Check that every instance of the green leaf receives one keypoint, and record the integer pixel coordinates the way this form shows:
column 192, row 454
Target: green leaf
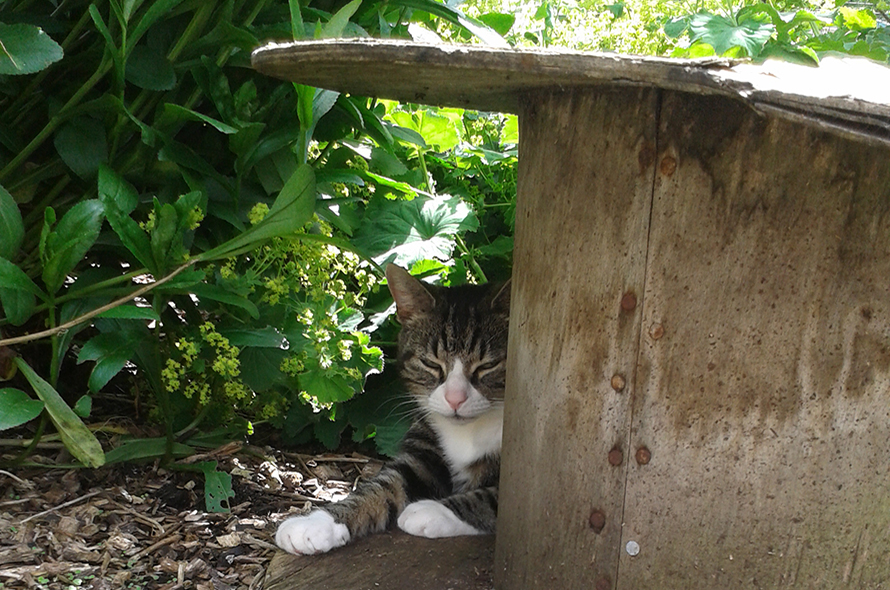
column 260, row 367
column 675, row 27
column 82, row 145
column 119, row 198
column 328, row 432
column 17, row 408
column 438, row 128
column 17, row 305
column 267, row 337
column 83, row 406
column 217, row 487
column 69, row 242
column 14, row 279
column 221, row 294
column 179, row 113
column 510, row 132
column 149, row 68
column 326, row 389
column 292, row 208
column 145, row 448
column 12, row 230
column 858, row 19
column 455, row 16
column 337, row 24
column 111, row 351
column 76, row 437
column 405, row 232
column 155, row 11
column 130, row 312
column 500, row 22
column 26, row 49
column 723, row 33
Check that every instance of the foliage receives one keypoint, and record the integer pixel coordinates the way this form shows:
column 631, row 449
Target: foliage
column 208, row 240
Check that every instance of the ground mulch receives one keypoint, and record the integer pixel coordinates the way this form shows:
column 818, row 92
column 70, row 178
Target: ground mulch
column 143, row 527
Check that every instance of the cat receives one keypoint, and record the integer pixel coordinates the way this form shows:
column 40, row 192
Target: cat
column 443, row 483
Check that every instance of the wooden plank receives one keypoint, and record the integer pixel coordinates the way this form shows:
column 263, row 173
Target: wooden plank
column 849, row 96
column 763, row 388
column 389, row 560
column 585, row 186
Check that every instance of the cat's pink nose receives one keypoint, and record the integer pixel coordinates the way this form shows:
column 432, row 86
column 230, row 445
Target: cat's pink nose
column 455, row 397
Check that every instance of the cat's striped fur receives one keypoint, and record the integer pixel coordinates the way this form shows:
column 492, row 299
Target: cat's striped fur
column 452, row 349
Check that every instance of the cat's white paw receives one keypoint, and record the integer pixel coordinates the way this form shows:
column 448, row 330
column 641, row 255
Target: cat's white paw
column 316, row 532
column 428, row 518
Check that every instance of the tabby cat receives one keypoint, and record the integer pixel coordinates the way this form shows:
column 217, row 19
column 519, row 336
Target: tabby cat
column 443, row 483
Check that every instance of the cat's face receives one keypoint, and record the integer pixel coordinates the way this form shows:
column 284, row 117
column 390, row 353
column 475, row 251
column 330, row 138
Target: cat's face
column 453, row 344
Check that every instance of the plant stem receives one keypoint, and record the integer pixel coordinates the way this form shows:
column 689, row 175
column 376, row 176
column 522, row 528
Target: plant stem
column 90, row 315
column 474, row 266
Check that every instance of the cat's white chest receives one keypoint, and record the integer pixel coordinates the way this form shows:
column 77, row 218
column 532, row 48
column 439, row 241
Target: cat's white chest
column 463, row 443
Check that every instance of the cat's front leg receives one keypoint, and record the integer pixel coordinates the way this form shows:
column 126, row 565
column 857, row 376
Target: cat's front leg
column 316, row 532
column 431, row 519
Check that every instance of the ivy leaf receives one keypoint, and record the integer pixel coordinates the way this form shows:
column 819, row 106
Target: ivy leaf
column 405, row 232
column 17, row 408
column 76, row 437
column 725, row 33
column 26, row 49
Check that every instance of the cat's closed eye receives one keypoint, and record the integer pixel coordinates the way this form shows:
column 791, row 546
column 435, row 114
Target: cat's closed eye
column 433, row 367
column 482, row 369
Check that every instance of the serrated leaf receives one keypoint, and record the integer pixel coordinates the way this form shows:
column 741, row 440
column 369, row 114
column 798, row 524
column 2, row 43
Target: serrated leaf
column 26, row 49
column 76, row 437
column 326, row 389
column 12, row 230
column 68, row 243
column 858, row 19
column 82, row 145
column 723, row 33
column 149, row 68
column 405, row 232
column 17, row 408
column 437, row 129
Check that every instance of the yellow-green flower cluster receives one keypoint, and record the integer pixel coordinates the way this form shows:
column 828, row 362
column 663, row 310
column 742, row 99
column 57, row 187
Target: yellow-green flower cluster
column 257, row 213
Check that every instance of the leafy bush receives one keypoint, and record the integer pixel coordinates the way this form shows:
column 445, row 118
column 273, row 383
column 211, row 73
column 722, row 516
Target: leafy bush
column 208, row 241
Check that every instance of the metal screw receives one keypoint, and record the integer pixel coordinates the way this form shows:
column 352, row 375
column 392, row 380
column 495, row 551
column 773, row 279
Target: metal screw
column 643, row 456
column 632, row 548
column 603, row 583
column 616, row 457
column 597, row 521
column 656, row 331
column 618, row 382
column 629, row 301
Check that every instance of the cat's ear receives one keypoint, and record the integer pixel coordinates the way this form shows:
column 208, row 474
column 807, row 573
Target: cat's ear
column 501, row 300
column 411, row 297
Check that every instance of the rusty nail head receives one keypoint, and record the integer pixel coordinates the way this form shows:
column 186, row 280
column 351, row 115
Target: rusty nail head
column 643, row 456
column 668, row 165
column 603, row 583
column 618, row 382
column 629, row 301
column 656, row 331
column 597, row 521
column 616, row 457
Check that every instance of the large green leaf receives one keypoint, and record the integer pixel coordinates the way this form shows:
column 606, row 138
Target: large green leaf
column 725, row 33
column 67, row 244
column 76, row 437
column 149, row 68
column 17, row 293
column 12, row 230
column 17, row 407
column 290, row 211
column 438, row 128
column 404, row 232
column 25, row 49
column 326, row 389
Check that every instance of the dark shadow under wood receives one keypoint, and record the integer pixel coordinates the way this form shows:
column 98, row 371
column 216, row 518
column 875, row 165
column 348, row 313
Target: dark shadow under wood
column 389, row 560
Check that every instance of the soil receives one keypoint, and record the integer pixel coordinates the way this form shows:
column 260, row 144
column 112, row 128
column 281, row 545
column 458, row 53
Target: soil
column 143, row 527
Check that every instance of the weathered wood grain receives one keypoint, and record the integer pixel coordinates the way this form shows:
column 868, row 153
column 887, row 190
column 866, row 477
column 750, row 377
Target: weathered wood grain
column 847, row 96
column 763, row 390
column 389, row 560
column 585, row 181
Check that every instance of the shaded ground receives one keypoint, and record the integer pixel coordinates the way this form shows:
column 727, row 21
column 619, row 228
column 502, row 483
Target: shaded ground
column 141, row 527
